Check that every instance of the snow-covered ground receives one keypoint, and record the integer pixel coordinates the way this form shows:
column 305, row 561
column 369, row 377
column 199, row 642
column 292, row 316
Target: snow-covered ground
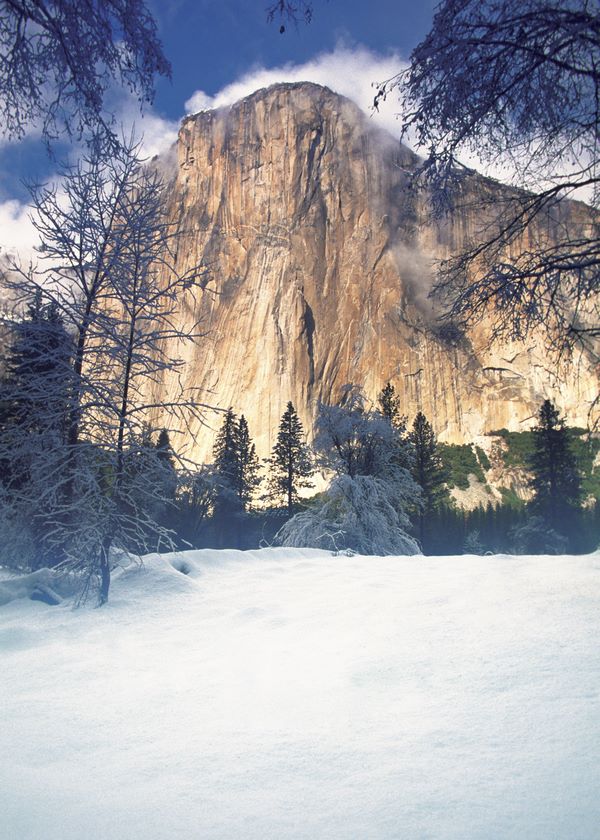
column 292, row 694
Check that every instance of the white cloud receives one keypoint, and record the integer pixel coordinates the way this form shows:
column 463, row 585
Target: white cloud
column 17, row 234
column 354, row 72
column 156, row 133
column 351, row 71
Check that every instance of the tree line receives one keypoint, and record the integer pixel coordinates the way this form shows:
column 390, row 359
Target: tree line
column 78, row 476
column 388, row 487
column 83, row 475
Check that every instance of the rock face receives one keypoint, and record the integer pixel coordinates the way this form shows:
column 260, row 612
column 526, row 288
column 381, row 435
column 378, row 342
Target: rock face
column 320, row 265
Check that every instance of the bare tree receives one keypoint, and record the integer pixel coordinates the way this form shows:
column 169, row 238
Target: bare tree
column 516, row 83
column 108, row 267
column 59, row 59
column 290, row 10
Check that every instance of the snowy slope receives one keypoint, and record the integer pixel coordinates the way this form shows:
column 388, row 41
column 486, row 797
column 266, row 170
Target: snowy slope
column 292, row 694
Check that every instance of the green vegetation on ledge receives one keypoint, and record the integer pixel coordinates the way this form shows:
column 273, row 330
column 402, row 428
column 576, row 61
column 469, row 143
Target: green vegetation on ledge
column 460, row 461
column 520, row 446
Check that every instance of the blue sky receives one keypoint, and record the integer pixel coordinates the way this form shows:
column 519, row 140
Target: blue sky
column 211, row 43
column 221, row 50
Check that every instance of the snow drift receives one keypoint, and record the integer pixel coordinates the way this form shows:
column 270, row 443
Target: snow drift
column 294, row 694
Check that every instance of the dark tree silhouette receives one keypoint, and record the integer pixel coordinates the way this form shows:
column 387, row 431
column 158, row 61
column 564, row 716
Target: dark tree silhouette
column 225, row 458
column 247, row 477
column 34, row 400
column 555, row 479
column 516, row 82
column 236, row 465
column 428, row 471
column 389, row 406
column 290, row 464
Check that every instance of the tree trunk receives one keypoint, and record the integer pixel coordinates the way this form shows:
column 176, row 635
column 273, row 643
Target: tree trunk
column 104, row 571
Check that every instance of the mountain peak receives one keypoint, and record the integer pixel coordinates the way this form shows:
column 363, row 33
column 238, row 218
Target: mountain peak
column 322, row 260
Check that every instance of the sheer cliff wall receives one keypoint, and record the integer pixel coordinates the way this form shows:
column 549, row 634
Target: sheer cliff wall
column 320, row 262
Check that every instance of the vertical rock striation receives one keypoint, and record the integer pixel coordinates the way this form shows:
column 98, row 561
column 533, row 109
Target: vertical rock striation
column 320, row 265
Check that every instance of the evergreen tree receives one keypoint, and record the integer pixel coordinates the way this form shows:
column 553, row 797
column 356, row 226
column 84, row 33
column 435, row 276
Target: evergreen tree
column 290, row 463
column 555, row 479
column 225, row 456
column 164, row 450
column 389, row 406
column 34, row 398
column 236, row 464
column 247, row 477
column 427, row 471
column 35, row 387
column 166, row 477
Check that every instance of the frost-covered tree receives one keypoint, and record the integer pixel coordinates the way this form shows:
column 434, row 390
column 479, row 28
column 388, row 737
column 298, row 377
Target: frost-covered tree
column 354, row 440
column 473, row 543
column 107, row 265
column 365, row 507
column 60, row 58
column 363, row 513
column 291, row 465
column 535, row 536
column 197, row 493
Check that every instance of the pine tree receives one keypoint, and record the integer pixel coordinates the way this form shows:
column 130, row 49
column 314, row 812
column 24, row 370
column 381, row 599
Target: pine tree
column 555, row 481
column 427, row 471
column 34, row 398
column 164, row 450
column 290, row 463
column 167, row 478
column 35, row 388
column 389, row 406
column 225, row 456
column 236, row 464
column 247, row 479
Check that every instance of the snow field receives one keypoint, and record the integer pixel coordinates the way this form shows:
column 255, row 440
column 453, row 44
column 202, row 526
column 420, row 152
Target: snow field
column 286, row 693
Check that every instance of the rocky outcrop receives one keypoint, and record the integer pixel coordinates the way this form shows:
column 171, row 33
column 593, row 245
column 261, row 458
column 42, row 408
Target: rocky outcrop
column 320, row 264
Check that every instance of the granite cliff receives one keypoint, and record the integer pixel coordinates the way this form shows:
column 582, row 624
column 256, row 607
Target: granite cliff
column 320, row 264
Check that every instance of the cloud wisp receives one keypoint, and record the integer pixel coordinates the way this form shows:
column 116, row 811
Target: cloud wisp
column 351, row 71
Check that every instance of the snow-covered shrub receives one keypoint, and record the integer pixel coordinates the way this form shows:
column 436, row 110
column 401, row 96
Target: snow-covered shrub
column 363, row 513
column 535, row 537
column 17, row 547
column 473, row 544
column 354, row 440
